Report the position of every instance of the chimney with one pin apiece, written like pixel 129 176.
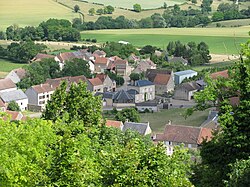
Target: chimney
pixel 169 122
pixel 41 85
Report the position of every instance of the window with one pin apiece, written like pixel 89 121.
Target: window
pixel 48 96
pixel 21 103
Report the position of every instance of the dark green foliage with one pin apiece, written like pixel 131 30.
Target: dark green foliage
pixel 137 7
pixel 148 49
pixel 76 8
pixel 13 106
pixel 121 50
pixel 206 6
pixel 118 79
pixel 135 76
pixel 52 29
pixel 22 52
pixel 129 114
pixel 76 67
pixel 39 72
pixel 195 54
pixel 232 143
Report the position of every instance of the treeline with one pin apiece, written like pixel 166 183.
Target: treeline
pixel 170 18
pixel 228 11
pixel 196 54
pixel 52 30
pixel 21 52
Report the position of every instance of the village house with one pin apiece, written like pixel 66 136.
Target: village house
pixel 7 85
pixel 2 106
pixel 95 85
pixel 222 74
pixel 175 135
pixel 178 59
pixel 99 53
pixel 16 75
pixel 164 83
pixel 181 75
pixel 151 106
pixel 108 84
pixel 142 128
pixel 15 95
pixel 120 99
pixel 120 67
pixel 101 64
pixel 186 91
pixel 145 88
pixel 144 65
pixel 39 95
pixel 13 116
pixel 115 124
pixel 56 82
pixel 41 56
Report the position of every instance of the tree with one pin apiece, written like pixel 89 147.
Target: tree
pixel 76 67
pixel 129 114
pixel 77 103
pixel 218 16
pixel 2 35
pixel 109 9
pixel 135 76
pixel 13 106
pixel 137 8
pixel 194 1
pixel 165 5
pixel 91 11
pixel 158 21
pixel 206 6
pixel 100 11
pixel 25 152
pixel 76 8
pixel 232 142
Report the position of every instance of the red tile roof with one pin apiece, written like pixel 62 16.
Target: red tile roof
pixel 20 72
pixel 162 79
pixel 70 80
pixel 112 123
pixel 184 134
pixel 65 56
pixel 101 60
pixel 205 134
pixel 99 53
pixel 14 115
pixel 219 74
pixel 41 56
pixel 95 81
pixel 101 76
pixel 120 61
pixel 41 88
pixel 6 84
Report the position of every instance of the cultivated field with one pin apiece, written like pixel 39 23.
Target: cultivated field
pixel 158 120
pixel 145 4
pixel 31 12
pixel 220 40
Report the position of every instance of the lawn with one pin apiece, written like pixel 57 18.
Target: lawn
pixel 7 66
pixel 158 120
pixel 31 12
pixel 220 40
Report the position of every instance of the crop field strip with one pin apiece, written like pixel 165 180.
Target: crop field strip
pixel 220 40
pixel 31 12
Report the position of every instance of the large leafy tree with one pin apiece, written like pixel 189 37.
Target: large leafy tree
pixel 77 102
pixel 232 142
pixel 129 114
pixel 76 67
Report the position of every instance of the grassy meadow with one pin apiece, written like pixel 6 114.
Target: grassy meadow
pixel 6 66
pixel 31 12
pixel 231 23
pixel 220 40
pixel 158 120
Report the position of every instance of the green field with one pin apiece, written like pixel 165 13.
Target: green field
pixel 220 40
pixel 213 65
pixel 158 120
pixel 7 66
pixel 31 12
